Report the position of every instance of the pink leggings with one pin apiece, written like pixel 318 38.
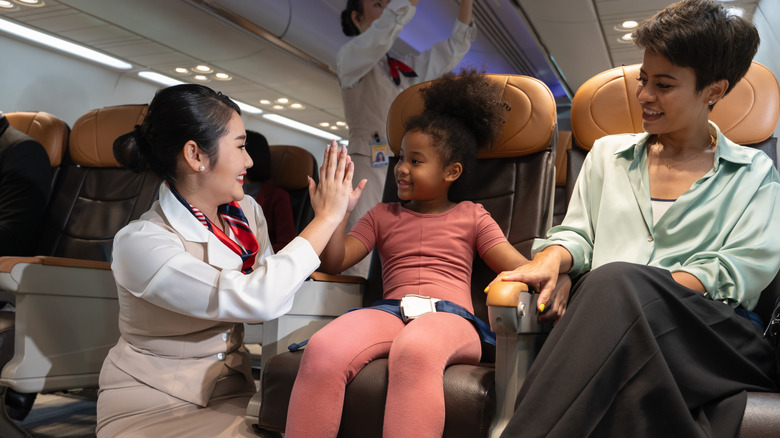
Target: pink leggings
pixel 417 355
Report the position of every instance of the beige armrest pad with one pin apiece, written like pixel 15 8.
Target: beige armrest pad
pixel 321 276
pixel 7 263
pixel 505 293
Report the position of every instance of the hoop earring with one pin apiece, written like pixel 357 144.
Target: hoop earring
pixel 202 168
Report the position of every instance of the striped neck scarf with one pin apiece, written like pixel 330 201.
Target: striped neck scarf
pixel 231 213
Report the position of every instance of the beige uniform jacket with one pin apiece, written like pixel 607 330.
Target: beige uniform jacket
pixel 183 297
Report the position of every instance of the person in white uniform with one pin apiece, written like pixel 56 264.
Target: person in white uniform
pixel 196 266
pixel 371 79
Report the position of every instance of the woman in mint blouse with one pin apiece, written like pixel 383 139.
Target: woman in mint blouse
pixel 675 234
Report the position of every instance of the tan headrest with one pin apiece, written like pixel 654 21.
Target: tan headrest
pixel 290 165
pixel 93 134
pixel 46 129
pixel 529 127
pixel 607 104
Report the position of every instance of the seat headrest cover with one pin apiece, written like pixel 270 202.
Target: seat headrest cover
pixel 93 134
pixel 46 129
pixel 607 104
pixel 529 127
pixel 290 165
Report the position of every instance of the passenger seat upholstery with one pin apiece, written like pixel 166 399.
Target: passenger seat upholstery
pixel 289 167
pixel 94 196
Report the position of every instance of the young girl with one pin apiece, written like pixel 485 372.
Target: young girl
pixel 426 244
pixel 370 80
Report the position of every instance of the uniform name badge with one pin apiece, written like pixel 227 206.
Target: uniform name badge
pixel 379 152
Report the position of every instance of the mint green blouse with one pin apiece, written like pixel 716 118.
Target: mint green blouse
pixel 725 229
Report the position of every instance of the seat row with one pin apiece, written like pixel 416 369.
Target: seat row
pixel 66 316
pixel 515 182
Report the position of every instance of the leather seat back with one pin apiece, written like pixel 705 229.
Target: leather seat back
pixel 48 130
pixel 94 197
pixel 290 165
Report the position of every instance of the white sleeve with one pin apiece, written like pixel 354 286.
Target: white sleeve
pixel 358 57
pixel 444 55
pixel 152 264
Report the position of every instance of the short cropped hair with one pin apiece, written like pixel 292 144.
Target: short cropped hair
pixel 702 35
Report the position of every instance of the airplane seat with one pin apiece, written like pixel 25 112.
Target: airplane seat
pixel 48 130
pixel 514 180
pixel 95 197
pixel 290 165
pixel 606 104
pixel 52 133
pixel 66 303
pixel 561 162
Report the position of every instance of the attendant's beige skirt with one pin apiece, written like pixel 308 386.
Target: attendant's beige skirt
pixel 128 408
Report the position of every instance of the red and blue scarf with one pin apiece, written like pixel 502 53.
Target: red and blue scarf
pixel 397 67
pixel 234 217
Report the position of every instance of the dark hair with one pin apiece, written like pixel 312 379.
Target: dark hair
pixel 463 113
pixel 347 25
pixel 702 35
pixel 176 115
pixel 257 147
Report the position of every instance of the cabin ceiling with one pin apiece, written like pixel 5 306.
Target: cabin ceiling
pixel 287 48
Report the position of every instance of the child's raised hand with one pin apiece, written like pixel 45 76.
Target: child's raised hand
pixel 331 198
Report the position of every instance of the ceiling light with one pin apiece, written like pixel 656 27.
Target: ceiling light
pixel 29 2
pixel 181 70
pixel 278 107
pixel 629 24
pixel 297 106
pixel 60 44
pixel 200 78
pixel 265 101
pixel 324 124
pixel 282 100
pixel 627 37
pixel 165 80
pixel 203 69
pixel 340 123
pixel 248 108
pixel 223 76
pixel 334 127
pixel 160 79
pixel 300 126
pixel 6 4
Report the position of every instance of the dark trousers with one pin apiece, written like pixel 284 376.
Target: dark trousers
pixel 639 355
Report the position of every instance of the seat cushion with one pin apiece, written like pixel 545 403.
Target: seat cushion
pixel 469 394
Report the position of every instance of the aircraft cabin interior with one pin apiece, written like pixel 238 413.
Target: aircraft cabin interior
pixel 76 74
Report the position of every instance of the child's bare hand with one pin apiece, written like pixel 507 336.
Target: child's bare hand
pixel 331 197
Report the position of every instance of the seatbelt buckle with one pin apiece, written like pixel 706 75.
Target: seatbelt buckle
pixel 414 306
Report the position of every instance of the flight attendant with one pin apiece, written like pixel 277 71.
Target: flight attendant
pixel 198 265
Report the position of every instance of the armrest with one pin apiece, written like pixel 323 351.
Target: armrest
pixel 512 308
pixel 513 317
pixel 13 270
pixel 321 298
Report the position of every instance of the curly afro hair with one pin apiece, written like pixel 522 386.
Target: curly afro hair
pixel 462 114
